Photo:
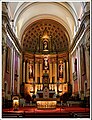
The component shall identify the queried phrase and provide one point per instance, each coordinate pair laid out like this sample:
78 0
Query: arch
57 19
58 36
56 10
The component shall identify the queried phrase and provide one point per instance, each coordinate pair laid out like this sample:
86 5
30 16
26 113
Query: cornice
7 28
5 16
77 36
85 17
13 36
3 29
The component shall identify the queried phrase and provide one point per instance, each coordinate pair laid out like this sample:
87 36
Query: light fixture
15 103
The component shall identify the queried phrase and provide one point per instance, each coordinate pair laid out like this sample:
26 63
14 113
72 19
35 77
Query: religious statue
45 45
61 71
45 63
30 71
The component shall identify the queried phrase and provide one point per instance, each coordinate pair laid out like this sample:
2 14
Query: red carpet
57 110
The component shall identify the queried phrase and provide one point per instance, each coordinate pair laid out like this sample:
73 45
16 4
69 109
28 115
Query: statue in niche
61 71
45 63
30 71
45 45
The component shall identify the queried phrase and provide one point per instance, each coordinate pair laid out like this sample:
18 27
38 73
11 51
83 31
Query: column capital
27 60
40 61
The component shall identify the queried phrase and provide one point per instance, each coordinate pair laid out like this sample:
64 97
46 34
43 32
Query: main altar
45 73
46 102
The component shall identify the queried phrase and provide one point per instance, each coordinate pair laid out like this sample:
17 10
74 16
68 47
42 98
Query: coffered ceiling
56 32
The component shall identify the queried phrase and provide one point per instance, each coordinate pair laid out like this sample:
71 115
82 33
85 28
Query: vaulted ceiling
59 18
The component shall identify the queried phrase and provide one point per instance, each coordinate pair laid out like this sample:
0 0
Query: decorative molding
86 16
31 40
83 28
77 36
13 36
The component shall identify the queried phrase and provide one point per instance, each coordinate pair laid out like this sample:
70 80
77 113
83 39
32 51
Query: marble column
21 69
35 77
87 68
24 71
79 71
56 77
3 65
53 69
72 74
13 70
40 72
50 72
67 69
3 56
18 84
55 72
64 71
12 59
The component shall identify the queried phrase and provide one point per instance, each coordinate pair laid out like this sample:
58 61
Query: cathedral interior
45 59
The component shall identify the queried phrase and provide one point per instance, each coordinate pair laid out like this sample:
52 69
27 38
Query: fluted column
67 69
50 72
40 72
24 72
